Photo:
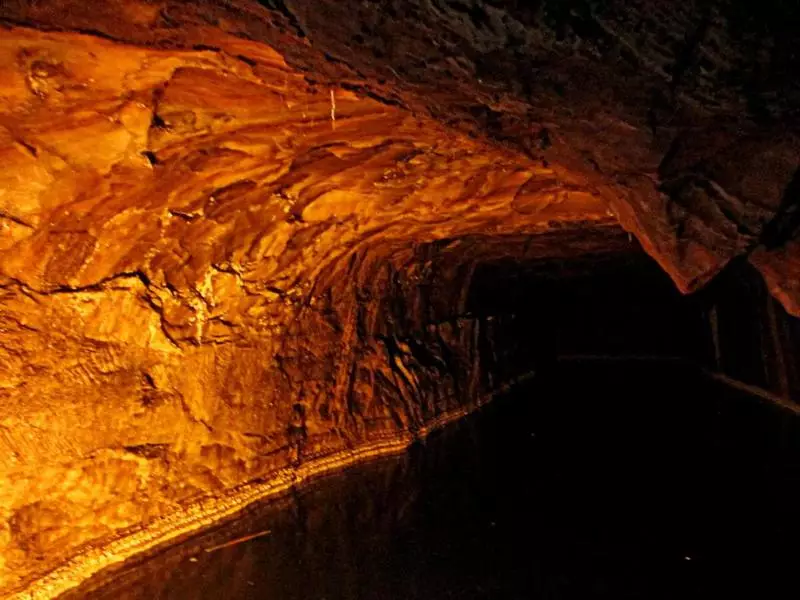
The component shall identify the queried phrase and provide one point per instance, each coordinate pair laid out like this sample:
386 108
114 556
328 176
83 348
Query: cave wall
756 341
191 276
100 435
198 255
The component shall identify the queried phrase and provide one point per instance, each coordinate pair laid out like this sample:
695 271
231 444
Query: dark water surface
600 481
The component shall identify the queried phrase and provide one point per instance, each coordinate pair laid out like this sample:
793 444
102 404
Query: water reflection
594 483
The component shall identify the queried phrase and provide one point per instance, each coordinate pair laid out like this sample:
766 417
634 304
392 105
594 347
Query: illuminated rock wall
210 270
101 434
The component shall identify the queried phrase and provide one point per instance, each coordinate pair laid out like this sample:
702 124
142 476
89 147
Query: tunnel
258 255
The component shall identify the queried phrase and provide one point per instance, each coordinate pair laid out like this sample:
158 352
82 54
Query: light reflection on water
596 483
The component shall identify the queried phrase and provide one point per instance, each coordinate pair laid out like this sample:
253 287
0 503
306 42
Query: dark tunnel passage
631 465
625 308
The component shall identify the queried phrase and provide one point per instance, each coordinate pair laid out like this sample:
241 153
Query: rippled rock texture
238 235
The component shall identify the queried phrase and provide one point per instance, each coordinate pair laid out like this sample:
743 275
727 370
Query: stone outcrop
236 236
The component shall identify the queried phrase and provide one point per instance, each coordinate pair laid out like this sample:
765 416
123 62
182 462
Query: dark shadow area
623 307
626 307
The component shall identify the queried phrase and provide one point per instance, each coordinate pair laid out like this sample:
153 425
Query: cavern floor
608 479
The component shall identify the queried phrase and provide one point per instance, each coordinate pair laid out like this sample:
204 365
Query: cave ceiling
181 139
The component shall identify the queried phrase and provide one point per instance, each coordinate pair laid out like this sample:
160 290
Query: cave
402 299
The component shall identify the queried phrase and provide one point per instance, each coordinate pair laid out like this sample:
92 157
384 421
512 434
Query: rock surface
238 235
